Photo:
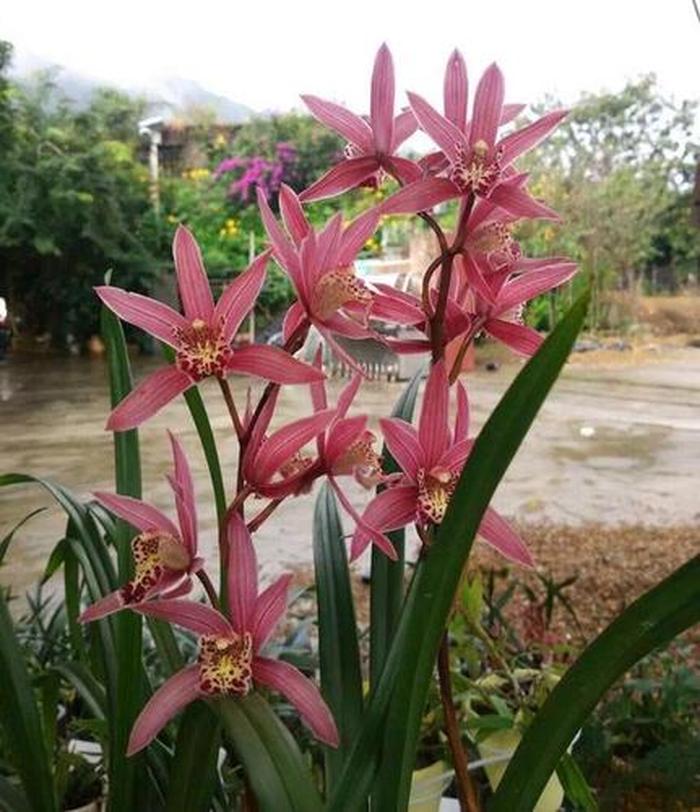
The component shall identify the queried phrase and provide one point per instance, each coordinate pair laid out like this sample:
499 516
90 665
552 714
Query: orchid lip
202 350
226 664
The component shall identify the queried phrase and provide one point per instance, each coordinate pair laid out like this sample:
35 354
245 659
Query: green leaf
87 687
575 785
387 579
196 754
129 696
341 678
5 543
403 686
24 735
12 799
652 620
274 766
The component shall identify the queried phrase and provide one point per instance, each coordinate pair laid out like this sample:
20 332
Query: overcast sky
264 53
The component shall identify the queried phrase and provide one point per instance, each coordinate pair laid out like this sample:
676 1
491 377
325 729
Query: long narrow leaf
274 766
5 543
387 579
12 799
341 678
404 683
23 733
652 620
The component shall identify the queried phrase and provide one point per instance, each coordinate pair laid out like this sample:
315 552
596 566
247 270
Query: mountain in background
171 98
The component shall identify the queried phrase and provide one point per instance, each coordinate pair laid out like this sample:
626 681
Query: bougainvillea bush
163 740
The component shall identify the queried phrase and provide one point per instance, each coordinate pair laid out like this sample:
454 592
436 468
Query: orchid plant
433 477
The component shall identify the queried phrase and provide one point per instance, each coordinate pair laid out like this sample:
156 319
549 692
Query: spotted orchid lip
226 664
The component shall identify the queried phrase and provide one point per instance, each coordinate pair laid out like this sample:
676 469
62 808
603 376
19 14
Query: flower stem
264 514
468 801
208 588
228 397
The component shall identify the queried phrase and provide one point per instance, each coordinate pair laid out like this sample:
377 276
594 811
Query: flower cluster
257 172
478 283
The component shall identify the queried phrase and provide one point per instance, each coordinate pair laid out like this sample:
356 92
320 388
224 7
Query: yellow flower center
361 460
226 664
435 489
155 552
336 289
202 351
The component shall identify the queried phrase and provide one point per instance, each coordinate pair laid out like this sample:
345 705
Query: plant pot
93 806
497 751
427 786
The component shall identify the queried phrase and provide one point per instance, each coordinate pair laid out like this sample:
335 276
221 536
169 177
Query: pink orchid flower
320 266
201 338
478 163
275 466
372 141
230 662
346 448
165 555
432 459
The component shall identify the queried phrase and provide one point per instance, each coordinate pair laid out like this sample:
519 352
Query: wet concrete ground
612 445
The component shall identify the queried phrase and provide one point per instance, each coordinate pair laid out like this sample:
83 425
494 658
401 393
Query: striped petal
405 124
269 609
239 297
488 103
192 280
172 696
420 196
522 140
301 692
356 234
443 132
520 203
391 509
293 214
184 496
284 251
382 100
455 90
138 514
533 283
348 174
523 340
154 317
196 617
370 533
433 430
403 444
350 126
293 319
285 442
242 575
103 607
155 391
272 364
462 418
496 532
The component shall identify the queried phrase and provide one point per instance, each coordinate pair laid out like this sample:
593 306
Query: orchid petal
149 397
154 317
496 532
293 318
405 170
342 434
270 606
329 242
455 456
172 696
382 100
391 509
420 196
356 234
433 431
347 124
403 444
443 132
476 279
346 327
462 418
196 617
533 284
405 125
347 395
524 340
138 514
370 533
285 442
456 90
272 364
103 607
520 203
488 103
192 281
239 297
242 575
522 140
301 692
293 214
184 497
348 174
283 250
510 112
